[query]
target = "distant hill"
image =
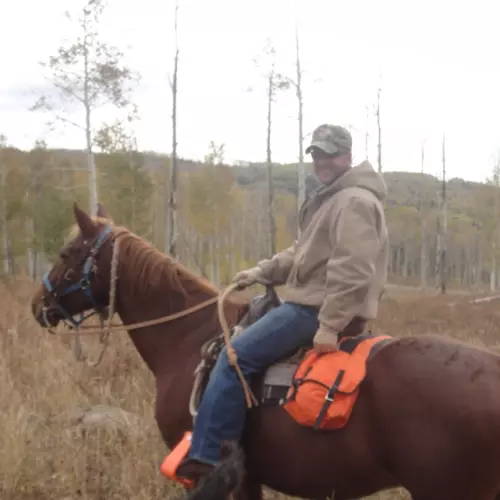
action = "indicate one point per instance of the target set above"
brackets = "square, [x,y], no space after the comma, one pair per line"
[405,188]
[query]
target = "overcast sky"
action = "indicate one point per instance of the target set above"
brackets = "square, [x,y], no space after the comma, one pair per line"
[438,62]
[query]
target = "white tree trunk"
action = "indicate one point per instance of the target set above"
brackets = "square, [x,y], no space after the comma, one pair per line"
[423,236]
[301,174]
[171,228]
[5,229]
[88,126]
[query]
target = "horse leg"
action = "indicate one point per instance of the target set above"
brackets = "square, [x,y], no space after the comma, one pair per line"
[438,496]
[249,490]
[478,488]
[426,497]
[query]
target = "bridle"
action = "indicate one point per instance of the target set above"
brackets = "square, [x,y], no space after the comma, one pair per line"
[83,285]
[89,268]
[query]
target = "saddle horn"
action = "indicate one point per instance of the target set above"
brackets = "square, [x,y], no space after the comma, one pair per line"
[271,293]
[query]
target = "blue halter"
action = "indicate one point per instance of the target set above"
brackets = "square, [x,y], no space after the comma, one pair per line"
[83,284]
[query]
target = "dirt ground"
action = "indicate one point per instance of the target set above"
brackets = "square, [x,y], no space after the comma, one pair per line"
[46,452]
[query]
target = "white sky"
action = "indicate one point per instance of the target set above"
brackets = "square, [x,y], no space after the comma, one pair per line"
[438,61]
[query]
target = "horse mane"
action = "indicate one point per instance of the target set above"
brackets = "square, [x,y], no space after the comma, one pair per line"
[147,268]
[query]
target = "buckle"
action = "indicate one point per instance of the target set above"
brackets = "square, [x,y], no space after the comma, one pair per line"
[329,397]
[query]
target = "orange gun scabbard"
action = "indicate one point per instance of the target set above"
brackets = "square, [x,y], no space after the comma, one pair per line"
[175,457]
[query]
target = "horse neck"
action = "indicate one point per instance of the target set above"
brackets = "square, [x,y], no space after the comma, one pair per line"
[164,346]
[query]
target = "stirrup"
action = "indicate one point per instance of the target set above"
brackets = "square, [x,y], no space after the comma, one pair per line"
[172,461]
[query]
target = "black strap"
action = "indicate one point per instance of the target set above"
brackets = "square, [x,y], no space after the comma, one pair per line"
[329,397]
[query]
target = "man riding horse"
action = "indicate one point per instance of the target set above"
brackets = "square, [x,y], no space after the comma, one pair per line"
[333,277]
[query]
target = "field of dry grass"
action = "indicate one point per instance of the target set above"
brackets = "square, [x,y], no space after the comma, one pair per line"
[45,452]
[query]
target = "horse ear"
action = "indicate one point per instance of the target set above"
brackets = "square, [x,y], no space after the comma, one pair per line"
[101,211]
[83,220]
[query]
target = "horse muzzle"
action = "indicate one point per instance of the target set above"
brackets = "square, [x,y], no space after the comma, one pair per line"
[47,317]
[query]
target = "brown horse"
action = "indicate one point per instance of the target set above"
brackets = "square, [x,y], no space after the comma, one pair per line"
[427,418]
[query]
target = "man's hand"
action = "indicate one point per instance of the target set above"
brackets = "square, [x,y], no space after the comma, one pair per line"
[325,341]
[248,277]
[324,348]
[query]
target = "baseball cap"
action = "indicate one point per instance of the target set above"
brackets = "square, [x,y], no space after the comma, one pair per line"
[332,139]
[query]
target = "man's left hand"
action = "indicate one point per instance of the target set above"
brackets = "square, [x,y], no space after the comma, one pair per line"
[325,341]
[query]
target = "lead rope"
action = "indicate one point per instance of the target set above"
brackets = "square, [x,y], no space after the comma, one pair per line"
[111,311]
[84,330]
[251,400]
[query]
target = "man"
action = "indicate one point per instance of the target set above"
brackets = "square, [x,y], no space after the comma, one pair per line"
[333,275]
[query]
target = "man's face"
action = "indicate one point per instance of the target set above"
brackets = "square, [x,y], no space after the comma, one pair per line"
[327,167]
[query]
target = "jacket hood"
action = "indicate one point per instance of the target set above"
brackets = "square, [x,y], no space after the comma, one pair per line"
[362,176]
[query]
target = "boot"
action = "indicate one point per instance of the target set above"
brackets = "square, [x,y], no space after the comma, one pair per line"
[193,470]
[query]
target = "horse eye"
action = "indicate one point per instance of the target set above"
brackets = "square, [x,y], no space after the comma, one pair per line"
[69,274]
[64,254]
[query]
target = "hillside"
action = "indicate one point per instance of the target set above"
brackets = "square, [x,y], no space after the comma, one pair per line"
[405,188]
[223,216]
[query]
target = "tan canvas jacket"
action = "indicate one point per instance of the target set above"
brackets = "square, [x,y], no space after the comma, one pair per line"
[339,262]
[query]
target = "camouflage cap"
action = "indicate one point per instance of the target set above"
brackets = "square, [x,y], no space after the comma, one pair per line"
[332,139]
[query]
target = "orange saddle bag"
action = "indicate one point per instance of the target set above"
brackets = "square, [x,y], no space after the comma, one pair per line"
[326,386]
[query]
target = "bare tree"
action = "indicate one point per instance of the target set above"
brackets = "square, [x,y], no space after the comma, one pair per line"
[275,83]
[442,229]
[88,73]
[494,238]
[423,245]
[379,128]
[6,250]
[301,168]
[34,198]
[171,188]
[215,158]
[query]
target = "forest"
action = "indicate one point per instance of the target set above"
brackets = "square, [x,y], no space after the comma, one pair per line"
[223,222]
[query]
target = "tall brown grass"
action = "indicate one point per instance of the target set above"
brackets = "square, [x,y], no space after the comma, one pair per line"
[45,453]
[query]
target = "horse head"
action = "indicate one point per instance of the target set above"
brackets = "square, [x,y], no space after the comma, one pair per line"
[79,281]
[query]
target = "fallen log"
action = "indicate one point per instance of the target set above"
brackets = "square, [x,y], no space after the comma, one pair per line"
[484,299]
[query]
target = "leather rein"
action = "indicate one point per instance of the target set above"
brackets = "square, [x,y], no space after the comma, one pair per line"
[89,269]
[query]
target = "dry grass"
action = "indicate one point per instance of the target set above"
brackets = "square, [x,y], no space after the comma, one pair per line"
[43,455]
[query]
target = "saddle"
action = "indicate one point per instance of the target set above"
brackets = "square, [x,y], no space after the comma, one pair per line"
[278,382]
[258,307]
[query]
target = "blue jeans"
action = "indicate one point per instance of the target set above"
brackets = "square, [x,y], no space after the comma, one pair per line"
[222,411]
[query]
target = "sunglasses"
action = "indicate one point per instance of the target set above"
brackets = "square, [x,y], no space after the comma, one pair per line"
[318,154]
